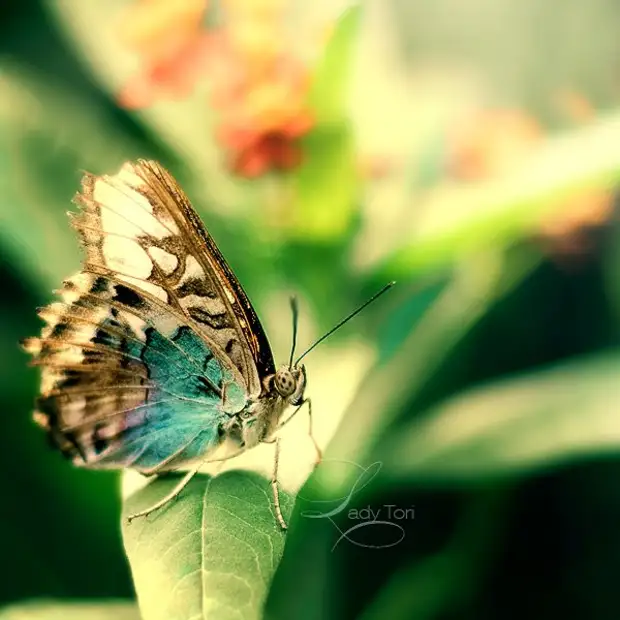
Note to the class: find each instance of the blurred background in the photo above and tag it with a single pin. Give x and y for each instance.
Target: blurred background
(470, 150)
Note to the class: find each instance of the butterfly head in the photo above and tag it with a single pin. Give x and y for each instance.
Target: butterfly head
(290, 383)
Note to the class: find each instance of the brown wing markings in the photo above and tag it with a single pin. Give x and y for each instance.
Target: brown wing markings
(158, 198)
(251, 329)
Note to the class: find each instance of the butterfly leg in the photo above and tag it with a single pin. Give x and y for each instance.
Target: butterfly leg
(225, 386)
(176, 491)
(274, 485)
(157, 469)
(319, 452)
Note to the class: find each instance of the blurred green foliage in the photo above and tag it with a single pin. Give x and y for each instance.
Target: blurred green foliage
(490, 407)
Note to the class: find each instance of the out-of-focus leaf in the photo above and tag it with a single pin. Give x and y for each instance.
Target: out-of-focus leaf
(105, 610)
(420, 591)
(329, 91)
(443, 583)
(542, 418)
(326, 184)
(209, 554)
(611, 266)
(463, 218)
(477, 285)
(49, 138)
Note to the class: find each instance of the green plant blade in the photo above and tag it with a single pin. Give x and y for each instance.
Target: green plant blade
(326, 184)
(542, 418)
(71, 611)
(42, 156)
(211, 553)
(329, 92)
(469, 217)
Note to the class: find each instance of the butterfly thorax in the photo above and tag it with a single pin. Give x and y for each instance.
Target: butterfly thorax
(260, 418)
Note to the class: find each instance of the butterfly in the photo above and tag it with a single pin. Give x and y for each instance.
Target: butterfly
(154, 355)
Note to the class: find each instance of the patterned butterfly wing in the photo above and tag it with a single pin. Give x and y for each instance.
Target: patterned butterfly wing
(154, 343)
(140, 225)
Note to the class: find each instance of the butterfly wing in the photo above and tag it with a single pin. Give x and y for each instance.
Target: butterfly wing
(160, 186)
(140, 226)
(148, 352)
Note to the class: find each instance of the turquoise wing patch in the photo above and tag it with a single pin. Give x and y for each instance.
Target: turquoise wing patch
(127, 384)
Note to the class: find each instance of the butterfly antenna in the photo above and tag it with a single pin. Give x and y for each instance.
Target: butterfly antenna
(295, 311)
(336, 327)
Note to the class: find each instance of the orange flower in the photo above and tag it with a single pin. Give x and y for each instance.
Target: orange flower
(159, 30)
(565, 232)
(267, 152)
(256, 9)
(261, 123)
(255, 29)
(254, 150)
(174, 49)
(258, 88)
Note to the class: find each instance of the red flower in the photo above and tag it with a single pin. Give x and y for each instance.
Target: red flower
(261, 122)
(258, 88)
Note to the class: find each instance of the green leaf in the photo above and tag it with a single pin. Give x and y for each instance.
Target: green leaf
(326, 184)
(465, 218)
(108, 610)
(211, 553)
(480, 282)
(42, 155)
(328, 94)
(542, 418)
(441, 583)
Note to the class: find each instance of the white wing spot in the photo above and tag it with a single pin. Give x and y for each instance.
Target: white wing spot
(128, 175)
(127, 257)
(49, 380)
(81, 283)
(167, 262)
(73, 411)
(192, 270)
(124, 211)
(137, 324)
(212, 306)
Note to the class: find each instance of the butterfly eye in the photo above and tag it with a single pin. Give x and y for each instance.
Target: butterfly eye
(285, 384)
